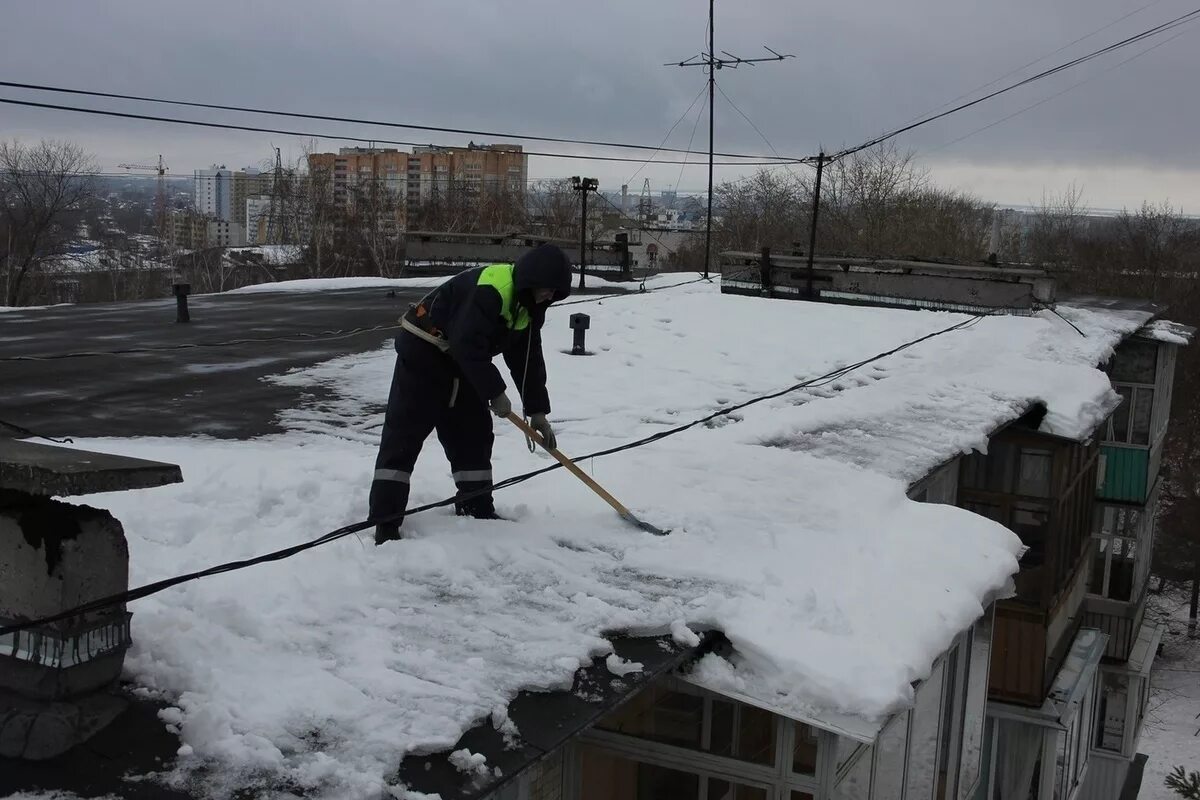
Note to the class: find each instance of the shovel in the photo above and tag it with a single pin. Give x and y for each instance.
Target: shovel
(621, 510)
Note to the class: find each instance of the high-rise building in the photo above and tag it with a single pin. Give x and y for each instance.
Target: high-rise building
(220, 193)
(258, 212)
(213, 192)
(245, 183)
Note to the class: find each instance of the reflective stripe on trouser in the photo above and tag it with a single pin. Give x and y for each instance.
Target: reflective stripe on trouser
(418, 404)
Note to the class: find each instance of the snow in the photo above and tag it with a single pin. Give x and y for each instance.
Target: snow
(273, 254)
(792, 532)
(621, 667)
(1171, 735)
(5, 309)
(308, 285)
(1164, 330)
(467, 762)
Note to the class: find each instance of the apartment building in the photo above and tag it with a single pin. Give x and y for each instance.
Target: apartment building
(474, 168)
(359, 175)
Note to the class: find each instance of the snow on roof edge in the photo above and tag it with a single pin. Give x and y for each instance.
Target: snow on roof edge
(1167, 332)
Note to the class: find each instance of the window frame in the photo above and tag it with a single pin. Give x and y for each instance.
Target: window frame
(778, 780)
(1135, 390)
(1141, 541)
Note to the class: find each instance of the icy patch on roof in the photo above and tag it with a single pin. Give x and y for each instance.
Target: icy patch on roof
(836, 590)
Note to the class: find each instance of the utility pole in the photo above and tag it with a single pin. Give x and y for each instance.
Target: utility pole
(583, 186)
(712, 64)
(812, 232)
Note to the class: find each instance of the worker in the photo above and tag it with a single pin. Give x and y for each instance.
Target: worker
(445, 379)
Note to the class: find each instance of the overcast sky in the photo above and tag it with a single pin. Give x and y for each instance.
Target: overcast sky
(595, 70)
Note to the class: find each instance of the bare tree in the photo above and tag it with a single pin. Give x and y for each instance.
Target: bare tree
(873, 203)
(39, 186)
(1056, 229)
(374, 224)
(554, 208)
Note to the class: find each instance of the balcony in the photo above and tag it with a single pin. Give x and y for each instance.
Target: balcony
(1121, 621)
(1030, 644)
(1116, 602)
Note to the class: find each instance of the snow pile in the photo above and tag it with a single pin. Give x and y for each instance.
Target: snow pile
(308, 285)
(621, 667)
(273, 254)
(469, 763)
(1164, 330)
(792, 532)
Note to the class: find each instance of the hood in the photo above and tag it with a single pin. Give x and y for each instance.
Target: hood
(544, 267)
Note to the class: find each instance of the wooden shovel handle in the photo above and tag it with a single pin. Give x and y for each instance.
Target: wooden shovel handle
(570, 465)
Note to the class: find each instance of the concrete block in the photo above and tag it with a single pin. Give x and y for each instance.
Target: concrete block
(55, 556)
(41, 469)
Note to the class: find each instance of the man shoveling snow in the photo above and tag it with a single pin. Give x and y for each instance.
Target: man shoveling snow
(445, 380)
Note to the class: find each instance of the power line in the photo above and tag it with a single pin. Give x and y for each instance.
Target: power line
(1156, 30)
(1056, 95)
(336, 137)
(355, 121)
(1028, 64)
(692, 138)
(671, 130)
(762, 135)
(348, 530)
(181, 177)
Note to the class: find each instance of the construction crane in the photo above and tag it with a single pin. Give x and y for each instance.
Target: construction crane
(160, 196)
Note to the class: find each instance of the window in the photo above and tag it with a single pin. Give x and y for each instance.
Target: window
(891, 750)
(804, 754)
(1134, 362)
(724, 790)
(1071, 749)
(1118, 430)
(608, 776)
(742, 732)
(975, 707)
(660, 715)
(856, 783)
(1133, 379)
(1116, 571)
(1034, 476)
(923, 755)
(1143, 407)
(1110, 712)
(1009, 469)
(733, 750)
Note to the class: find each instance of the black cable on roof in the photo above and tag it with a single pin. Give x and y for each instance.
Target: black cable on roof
(348, 530)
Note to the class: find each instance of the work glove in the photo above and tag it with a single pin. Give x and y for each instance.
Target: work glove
(501, 406)
(542, 425)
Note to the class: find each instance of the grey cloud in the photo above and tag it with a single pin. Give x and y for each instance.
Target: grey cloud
(594, 70)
